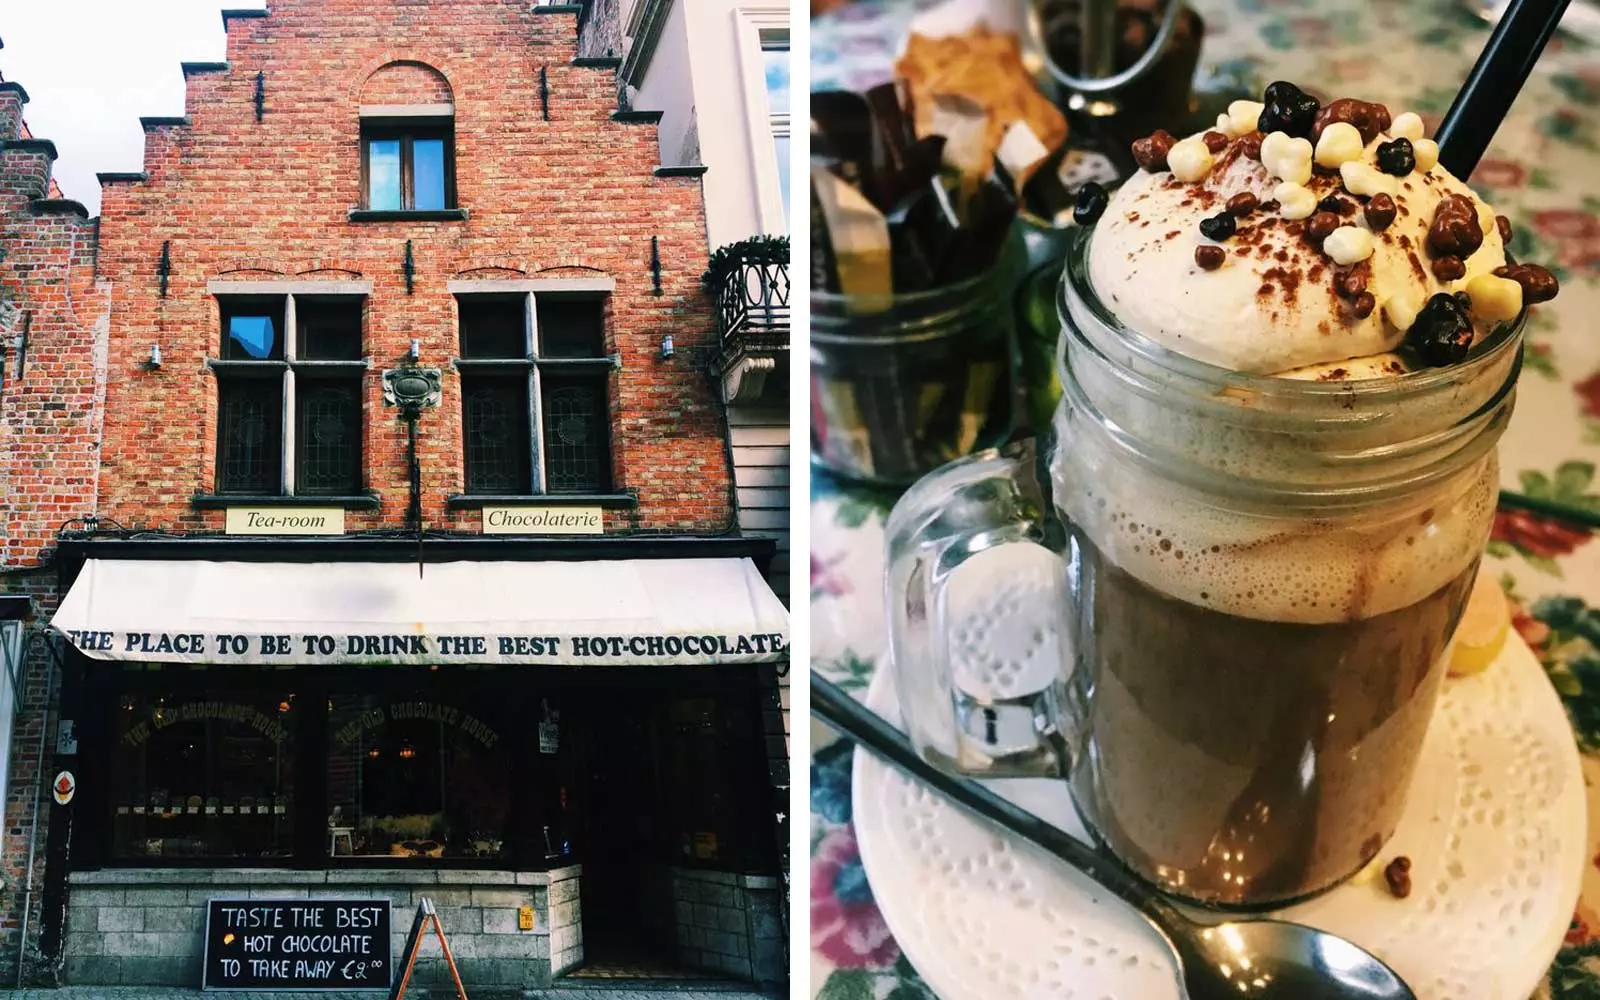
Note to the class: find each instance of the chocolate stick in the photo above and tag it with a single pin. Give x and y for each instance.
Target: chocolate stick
(1498, 75)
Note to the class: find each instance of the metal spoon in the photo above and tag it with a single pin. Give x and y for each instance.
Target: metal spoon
(1240, 957)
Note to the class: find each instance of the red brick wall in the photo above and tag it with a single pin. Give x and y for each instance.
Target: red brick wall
(575, 195)
(49, 423)
(406, 83)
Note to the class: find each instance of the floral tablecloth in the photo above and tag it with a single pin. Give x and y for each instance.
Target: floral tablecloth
(1543, 172)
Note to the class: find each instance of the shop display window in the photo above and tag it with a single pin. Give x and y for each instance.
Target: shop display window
(417, 777)
(203, 776)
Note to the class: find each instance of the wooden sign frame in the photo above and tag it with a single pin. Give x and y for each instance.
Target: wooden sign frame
(426, 915)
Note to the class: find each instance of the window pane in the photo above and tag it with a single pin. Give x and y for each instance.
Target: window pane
(775, 64)
(249, 434)
(427, 174)
(383, 175)
(494, 418)
(250, 327)
(493, 328)
(328, 436)
(577, 453)
(330, 328)
(571, 328)
(417, 777)
(203, 776)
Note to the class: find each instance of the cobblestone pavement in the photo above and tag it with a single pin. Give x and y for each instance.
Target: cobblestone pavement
(599, 991)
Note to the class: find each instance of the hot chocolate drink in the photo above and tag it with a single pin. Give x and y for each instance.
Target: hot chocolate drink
(1255, 683)
(1289, 347)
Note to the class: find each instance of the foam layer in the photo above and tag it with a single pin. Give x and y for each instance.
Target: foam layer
(1287, 568)
(1271, 307)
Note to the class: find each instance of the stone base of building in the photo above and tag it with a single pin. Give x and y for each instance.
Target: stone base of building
(144, 926)
(728, 924)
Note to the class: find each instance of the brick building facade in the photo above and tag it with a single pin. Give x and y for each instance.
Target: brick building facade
(53, 325)
(403, 274)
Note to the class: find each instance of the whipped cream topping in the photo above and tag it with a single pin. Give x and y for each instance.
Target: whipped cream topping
(1271, 307)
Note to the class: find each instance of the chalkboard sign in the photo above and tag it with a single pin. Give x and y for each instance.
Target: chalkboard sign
(297, 944)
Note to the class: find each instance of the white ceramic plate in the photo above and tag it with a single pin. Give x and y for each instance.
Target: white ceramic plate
(1494, 826)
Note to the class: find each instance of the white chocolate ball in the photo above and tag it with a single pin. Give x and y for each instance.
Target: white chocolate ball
(1295, 201)
(1189, 159)
(1340, 143)
(1426, 152)
(1494, 299)
(1348, 245)
(1364, 180)
(1406, 125)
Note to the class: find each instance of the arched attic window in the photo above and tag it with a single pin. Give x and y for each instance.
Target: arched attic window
(407, 140)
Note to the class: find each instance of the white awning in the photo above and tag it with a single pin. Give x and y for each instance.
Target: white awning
(603, 612)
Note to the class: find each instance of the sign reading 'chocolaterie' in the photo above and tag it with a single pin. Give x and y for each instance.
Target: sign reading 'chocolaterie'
(542, 521)
(297, 944)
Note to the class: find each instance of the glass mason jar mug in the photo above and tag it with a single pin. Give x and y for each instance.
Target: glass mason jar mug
(1252, 582)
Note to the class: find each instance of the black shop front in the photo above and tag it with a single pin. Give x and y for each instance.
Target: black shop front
(557, 743)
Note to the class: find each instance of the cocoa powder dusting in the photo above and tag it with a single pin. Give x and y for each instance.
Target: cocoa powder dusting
(1416, 266)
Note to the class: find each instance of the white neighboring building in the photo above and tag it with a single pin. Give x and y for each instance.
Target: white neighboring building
(718, 71)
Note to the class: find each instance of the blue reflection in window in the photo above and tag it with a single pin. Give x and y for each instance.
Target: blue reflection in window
(775, 62)
(427, 171)
(256, 336)
(383, 175)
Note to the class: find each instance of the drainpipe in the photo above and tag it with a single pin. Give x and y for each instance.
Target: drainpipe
(33, 833)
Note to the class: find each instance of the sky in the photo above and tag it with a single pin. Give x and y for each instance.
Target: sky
(93, 68)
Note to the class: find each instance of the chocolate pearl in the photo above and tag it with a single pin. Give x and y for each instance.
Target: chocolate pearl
(1242, 204)
(1538, 284)
(1503, 224)
(1349, 284)
(1287, 108)
(1442, 332)
(1215, 141)
(1151, 151)
(1320, 225)
(1342, 207)
(1449, 268)
(1209, 256)
(1455, 231)
(1380, 212)
(1397, 157)
(1090, 203)
(1363, 305)
(1250, 145)
(1398, 876)
(1218, 227)
(1369, 118)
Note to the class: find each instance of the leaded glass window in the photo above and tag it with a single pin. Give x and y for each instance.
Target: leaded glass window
(250, 434)
(535, 415)
(289, 408)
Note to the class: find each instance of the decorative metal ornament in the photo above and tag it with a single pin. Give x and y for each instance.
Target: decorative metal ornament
(655, 263)
(164, 266)
(261, 94)
(544, 93)
(412, 389)
(410, 267)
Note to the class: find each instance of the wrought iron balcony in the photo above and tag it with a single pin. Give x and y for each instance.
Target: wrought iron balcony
(749, 281)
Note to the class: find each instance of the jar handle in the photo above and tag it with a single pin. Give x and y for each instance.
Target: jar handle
(950, 516)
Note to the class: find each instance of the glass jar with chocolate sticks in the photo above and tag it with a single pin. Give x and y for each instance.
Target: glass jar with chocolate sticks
(915, 259)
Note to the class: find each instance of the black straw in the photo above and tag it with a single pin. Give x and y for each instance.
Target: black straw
(1491, 87)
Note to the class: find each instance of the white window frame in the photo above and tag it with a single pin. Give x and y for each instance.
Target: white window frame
(750, 24)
